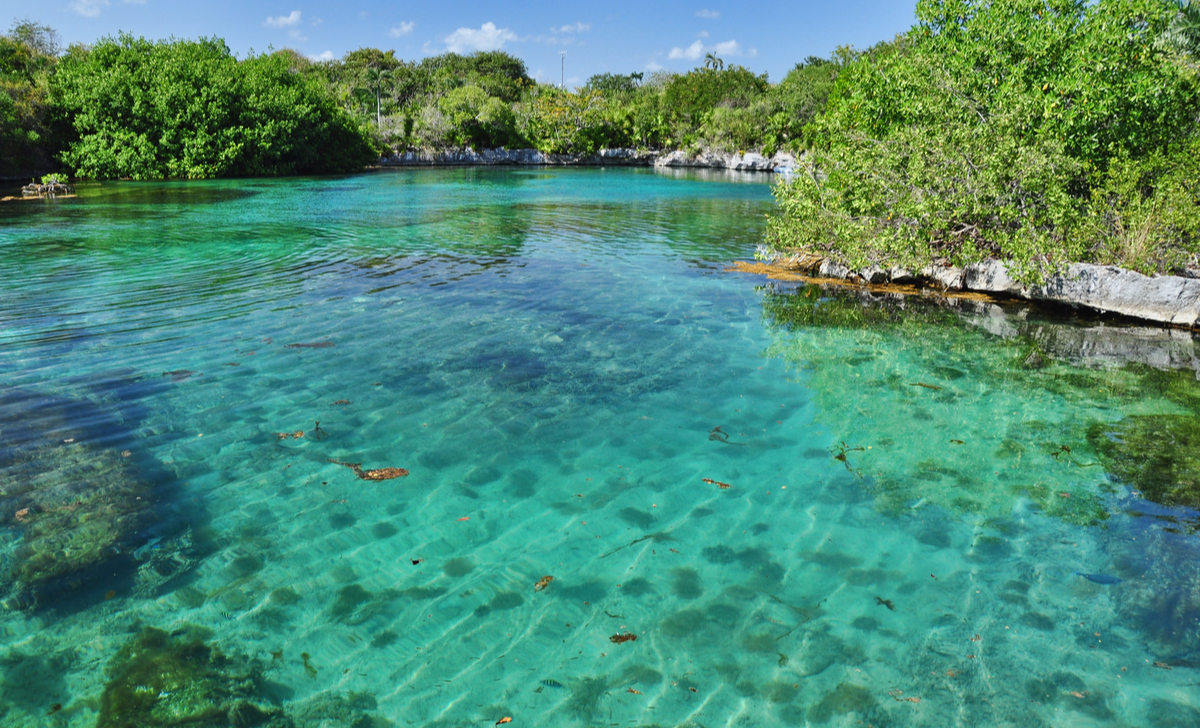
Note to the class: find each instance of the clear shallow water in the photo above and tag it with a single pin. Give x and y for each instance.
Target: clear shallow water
(549, 353)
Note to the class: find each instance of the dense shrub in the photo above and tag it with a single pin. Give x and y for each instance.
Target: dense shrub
(1030, 130)
(190, 109)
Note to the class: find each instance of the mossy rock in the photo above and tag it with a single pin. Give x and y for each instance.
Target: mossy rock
(74, 505)
(1159, 455)
(161, 679)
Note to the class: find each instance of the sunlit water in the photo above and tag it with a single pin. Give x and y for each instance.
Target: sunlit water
(806, 514)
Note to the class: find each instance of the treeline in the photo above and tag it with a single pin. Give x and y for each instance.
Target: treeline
(488, 100)
(128, 107)
(1039, 132)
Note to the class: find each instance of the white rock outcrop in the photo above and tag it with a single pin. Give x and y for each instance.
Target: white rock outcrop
(750, 162)
(1171, 300)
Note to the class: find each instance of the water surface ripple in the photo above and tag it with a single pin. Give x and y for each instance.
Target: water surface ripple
(641, 490)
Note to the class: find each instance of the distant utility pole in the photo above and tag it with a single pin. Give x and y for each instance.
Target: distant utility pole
(563, 70)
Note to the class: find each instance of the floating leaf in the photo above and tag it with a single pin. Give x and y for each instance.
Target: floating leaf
(379, 474)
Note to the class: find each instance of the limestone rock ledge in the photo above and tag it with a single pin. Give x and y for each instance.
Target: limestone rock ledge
(750, 162)
(1171, 300)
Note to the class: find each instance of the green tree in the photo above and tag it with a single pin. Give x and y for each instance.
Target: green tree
(379, 81)
(1183, 34)
(476, 119)
(1002, 129)
(690, 99)
(27, 60)
(614, 83)
(190, 109)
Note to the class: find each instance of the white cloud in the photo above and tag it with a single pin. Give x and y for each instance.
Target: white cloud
(402, 30)
(326, 56)
(575, 28)
(691, 53)
(89, 8)
(134, 2)
(296, 34)
(722, 49)
(487, 38)
(652, 67)
(710, 14)
(284, 21)
(702, 34)
(728, 48)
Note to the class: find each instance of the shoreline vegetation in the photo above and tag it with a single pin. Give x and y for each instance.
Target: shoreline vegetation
(1033, 135)
(130, 108)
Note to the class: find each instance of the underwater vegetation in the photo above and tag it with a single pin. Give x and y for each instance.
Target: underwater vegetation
(168, 680)
(355, 605)
(74, 502)
(846, 698)
(73, 505)
(921, 394)
(1157, 455)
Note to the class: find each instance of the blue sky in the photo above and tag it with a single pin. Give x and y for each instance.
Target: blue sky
(619, 36)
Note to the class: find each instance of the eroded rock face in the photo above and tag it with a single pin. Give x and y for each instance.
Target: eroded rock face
(1171, 300)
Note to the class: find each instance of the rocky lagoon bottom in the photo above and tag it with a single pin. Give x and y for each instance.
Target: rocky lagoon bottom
(641, 490)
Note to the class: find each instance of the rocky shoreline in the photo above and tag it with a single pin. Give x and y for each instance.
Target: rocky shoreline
(748, 162)
(1171, 300)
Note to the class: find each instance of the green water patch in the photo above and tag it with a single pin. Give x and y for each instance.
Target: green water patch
(934, 405)
(1158, 455)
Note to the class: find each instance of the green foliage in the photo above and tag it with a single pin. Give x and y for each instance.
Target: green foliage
(560, 121)
(614, 83)
(1183, 34)
(190, 109)
(1000, 129)
(54, 179)
(26, 61)
(476, 119)
(692, 97)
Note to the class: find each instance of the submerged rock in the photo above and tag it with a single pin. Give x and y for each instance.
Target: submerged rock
(160, 679)
(75, 506)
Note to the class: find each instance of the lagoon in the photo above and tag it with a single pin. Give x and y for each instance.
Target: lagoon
(808, 506)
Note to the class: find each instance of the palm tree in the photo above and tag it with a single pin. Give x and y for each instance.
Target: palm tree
(711, 61)
(377, 81)
(1183, 34)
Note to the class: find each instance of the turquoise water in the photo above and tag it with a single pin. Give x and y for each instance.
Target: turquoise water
(568, 373)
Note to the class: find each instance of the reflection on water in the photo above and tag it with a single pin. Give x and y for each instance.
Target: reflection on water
(640, 491)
